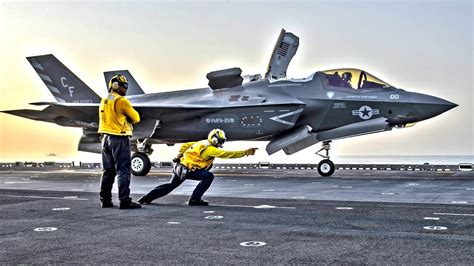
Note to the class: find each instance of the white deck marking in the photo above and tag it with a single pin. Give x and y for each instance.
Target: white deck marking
(45, 229)
(173, 222)
(344, 208)
(42, 197)
(454, 214)
(265, 207)
(253, 244)
(208, 212)
(458, 202)
(214, 217)
(436, 228)
(255, 207)
(431, 218)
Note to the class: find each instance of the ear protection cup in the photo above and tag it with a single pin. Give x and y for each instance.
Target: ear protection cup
(214, 140)
(115, 85)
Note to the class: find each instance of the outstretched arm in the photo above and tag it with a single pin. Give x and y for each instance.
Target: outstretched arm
(214, 152)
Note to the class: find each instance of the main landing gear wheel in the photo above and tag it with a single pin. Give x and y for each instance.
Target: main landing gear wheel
(326, 167)
(141, 164)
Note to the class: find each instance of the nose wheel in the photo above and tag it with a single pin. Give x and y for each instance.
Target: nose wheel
(325, 167)
(141, 164)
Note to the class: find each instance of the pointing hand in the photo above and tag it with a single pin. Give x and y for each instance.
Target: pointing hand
(250, 151)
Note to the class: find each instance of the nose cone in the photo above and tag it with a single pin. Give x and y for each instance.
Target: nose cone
(428, 106)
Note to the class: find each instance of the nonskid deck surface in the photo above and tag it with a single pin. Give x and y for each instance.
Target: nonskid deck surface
(262, 216)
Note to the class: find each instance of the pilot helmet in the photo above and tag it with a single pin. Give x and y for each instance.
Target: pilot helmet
(347, 76)
(217, 137)
(118, 81)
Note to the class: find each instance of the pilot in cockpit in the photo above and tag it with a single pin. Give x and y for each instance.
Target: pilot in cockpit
(346, 78)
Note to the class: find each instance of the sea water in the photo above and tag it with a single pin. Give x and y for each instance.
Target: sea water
(409, 159)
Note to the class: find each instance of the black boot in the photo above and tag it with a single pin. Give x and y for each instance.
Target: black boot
(107, 204)
(193, 202)
(143, 200)
(130, 205)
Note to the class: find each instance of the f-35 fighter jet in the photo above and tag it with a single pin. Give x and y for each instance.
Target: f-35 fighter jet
(291, 114)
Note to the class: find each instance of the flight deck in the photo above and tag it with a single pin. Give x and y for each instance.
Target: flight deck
(258, 215)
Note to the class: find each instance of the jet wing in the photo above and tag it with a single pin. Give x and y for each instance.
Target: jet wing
(303, 137)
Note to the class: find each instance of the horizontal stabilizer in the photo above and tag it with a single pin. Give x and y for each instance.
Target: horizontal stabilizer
(61, 82)
(133, 87)
(33, 114)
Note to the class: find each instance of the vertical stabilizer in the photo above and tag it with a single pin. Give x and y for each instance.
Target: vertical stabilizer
(61, 82)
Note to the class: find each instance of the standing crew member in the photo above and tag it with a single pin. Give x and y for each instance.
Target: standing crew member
(116, 115)
(193, 162)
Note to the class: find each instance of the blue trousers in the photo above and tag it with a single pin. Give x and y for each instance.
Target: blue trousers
(116, 161)
(204, 176)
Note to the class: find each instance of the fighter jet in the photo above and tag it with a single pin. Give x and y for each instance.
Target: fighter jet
(291, 114)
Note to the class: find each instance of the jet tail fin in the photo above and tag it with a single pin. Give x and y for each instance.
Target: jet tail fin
(133, 87)
(61, 82)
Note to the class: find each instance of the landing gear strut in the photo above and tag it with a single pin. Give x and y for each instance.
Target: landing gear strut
(325, 167)
(141, 164)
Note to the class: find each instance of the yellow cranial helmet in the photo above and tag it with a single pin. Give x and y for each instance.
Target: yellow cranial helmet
(217, 137)
(118, 81)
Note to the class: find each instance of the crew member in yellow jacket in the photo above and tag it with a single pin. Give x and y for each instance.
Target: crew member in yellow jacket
(116, 115)
(194, 161)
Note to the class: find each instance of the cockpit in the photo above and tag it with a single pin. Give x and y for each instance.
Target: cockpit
(353, 79)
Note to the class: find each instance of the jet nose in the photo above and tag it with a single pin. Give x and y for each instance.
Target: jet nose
(430, 106)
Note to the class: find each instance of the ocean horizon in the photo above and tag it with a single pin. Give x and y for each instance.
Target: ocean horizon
(342, 159)
(405, 159)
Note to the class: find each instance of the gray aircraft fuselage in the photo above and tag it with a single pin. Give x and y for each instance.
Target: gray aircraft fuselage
(262, 109)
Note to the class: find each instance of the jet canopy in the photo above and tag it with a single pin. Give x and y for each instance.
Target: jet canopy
(352, 78)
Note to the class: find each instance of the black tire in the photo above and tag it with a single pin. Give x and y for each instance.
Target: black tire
(326, 167)
(141, 164)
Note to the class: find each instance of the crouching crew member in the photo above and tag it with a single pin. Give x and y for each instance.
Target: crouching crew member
(116, 115)
(194, 161)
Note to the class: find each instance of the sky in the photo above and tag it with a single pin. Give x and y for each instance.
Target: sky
(420, 46)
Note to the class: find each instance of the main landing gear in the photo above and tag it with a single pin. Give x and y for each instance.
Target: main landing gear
(325, 167)
(141, 163)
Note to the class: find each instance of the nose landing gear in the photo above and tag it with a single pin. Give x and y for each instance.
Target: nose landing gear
(141, 164)
(325, 167)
